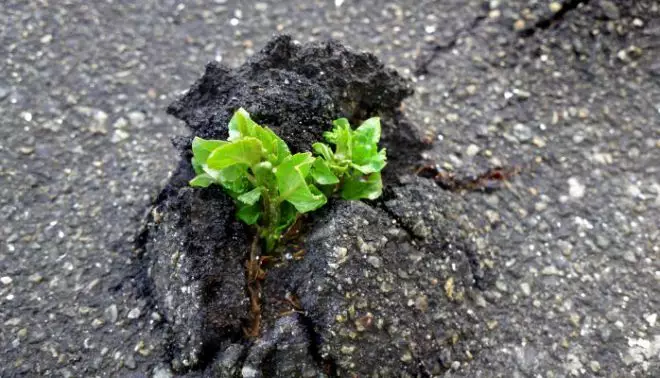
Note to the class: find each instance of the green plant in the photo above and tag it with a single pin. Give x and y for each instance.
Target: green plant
(272, 187)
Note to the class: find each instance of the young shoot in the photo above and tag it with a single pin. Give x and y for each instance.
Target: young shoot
(271, 187)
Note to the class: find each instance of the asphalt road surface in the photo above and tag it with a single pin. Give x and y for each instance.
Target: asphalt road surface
(569, 92)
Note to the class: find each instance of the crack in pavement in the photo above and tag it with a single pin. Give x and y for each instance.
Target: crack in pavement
(547, 22)
(422, 63)
(424, 60)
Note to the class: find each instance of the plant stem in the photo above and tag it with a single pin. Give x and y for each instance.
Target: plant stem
(251, 178)
(254, 287)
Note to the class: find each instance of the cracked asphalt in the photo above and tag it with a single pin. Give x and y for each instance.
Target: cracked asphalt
(569, 92)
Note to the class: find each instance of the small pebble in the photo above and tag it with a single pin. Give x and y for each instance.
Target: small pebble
(375, 261)
(120, 123)
(111, 313)
(521, 94)
(494, 13)
(610, 9)
(472, 150)
(634, 191)
(97, 323)
(134, 313)
(6, 280)
(136, 119)
(156, 317)
(119, 135)
(346, 349)
(538, 142)
(422, 303)
(550, 271)
(555, 7)
(99, 119)
(130, 362)
(525, 288)
(622, 55)
(522, 132)
(26, 150)
(13, 322)
(575, 188)
(519, 25)
(162, 372)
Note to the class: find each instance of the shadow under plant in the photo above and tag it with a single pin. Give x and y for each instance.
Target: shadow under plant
(384, 286)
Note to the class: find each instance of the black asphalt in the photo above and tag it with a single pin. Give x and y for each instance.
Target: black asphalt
(568, 92)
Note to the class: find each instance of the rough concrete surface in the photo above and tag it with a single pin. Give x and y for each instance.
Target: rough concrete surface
(567, 91)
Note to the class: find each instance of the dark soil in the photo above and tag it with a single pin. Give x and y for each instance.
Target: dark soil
(297, 90)
(200, 284)
(194, 249)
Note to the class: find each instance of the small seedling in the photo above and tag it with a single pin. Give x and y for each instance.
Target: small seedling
(272, 187)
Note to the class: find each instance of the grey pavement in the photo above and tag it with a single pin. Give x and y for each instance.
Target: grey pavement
(567, 91)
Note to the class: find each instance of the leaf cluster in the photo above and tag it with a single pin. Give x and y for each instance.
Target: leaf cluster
(356, 158)
(272, 187)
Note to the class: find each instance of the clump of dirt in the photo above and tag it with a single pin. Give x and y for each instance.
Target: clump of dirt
(350, 297)
(297, 90)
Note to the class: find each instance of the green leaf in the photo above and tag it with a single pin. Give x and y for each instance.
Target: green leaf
(243, 151)
(369, 130)
(365, 146)
(202, 148)
(249, 213)
(288, 216)
(322, 173)
(298, 164)
(376, 164)
(341, 136)
(241, 125)
(307, 199)
(324, 150)
(263, 172)
(363, 152)
(202, 181)
(233, 178)
(315, 191)
(338, 125)
(275, 147)
(251, 197)
(358, 187)
(293, 187)
(197, 167)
